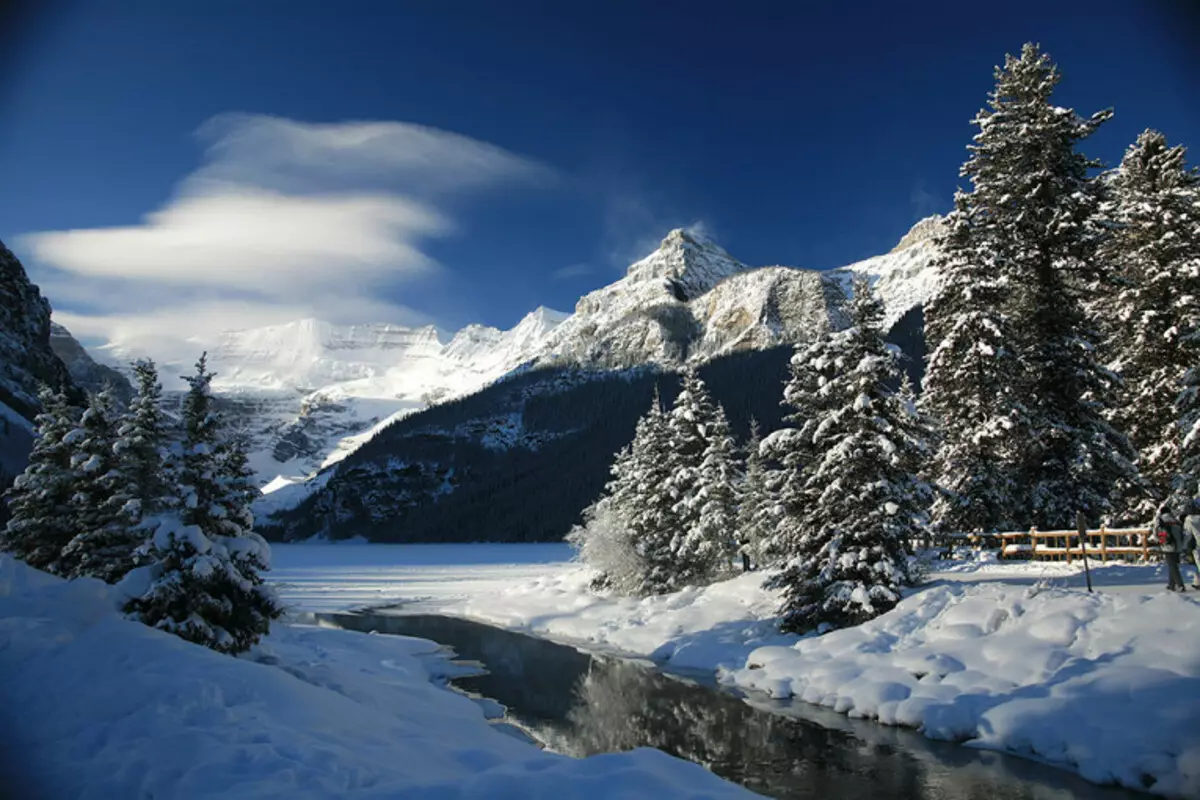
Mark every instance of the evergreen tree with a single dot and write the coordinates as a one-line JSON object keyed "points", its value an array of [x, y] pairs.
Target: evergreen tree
{"points": [[862, 498], [206, 585], [1013, 377], [694, 553], [712, 541], [236, 481], [1153, 210], [807, 392], [1186, 485], [40, 526], [143, 439], [104, 544], [627, 533], [755, 518], [644, 497], [1036, 186]]}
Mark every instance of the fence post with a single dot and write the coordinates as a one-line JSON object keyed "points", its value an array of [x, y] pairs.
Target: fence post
{"points": [[1033, 543], [1081, 524], [1103, 543]]}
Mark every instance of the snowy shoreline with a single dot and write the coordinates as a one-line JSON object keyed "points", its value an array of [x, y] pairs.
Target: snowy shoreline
{"points": [[101, 707], [1012, 657]]}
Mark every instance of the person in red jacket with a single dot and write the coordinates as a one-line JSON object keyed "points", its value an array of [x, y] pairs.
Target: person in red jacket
{"points": [[1171, 544]]}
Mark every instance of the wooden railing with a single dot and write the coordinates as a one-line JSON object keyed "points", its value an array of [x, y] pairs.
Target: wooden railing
{"points": [[1103, 544]]}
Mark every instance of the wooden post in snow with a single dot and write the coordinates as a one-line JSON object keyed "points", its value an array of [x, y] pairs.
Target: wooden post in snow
{"points": [[1081, 523]]}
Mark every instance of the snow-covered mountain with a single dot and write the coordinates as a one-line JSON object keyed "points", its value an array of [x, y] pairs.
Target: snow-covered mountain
{"points": [[310, 392], [690, 301]]}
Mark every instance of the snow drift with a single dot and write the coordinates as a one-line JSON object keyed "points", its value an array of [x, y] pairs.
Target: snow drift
{"points": [[1106, 685], [100, 707]]}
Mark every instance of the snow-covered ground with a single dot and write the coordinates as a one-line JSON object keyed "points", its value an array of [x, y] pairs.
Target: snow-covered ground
{"points": [[350, 575], [1012, 656], [96, 706]]}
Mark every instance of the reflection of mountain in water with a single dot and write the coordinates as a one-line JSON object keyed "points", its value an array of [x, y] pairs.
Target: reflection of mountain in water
{"points": [[580, 705]]}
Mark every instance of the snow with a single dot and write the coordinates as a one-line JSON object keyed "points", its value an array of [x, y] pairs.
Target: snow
{"points": [[312, 392], [1107, 685], [339, 576], [111, 708], [1004, 655], [902, 279], [333, 387]]}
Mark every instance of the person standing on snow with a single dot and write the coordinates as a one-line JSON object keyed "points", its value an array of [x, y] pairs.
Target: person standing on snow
{"points": [[1170, 543], [1191, 539]]}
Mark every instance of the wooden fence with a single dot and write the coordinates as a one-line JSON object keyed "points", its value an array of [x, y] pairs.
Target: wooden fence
{"points": [[1104, 543]]}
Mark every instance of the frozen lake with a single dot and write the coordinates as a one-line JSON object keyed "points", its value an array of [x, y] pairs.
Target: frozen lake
{"points": [[336, 577]]}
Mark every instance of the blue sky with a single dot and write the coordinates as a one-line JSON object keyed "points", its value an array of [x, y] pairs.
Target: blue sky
{"points": [[205, 160]]}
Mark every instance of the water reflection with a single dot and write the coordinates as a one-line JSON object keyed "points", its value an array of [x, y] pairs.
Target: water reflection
{"points": [[580, 704]]}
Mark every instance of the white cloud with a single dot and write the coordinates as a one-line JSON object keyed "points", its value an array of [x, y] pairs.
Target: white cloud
{"points": [[243, 237], [571, 271], [284, 219]]}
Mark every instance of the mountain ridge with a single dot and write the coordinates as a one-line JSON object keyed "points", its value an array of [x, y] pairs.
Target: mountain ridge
{"points": [[311, 392]]}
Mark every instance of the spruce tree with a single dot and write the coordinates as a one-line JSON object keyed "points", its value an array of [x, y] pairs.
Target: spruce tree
{"points": [[1036, 186], [811, 370], [40, 525], [693, 552], [146, 479], [712, 541], [1186, 483], [645, 497], [627, 533], [864, 500], [1153, 247], [755, 518], [206, 584], [106, 538], [1013, 380]]}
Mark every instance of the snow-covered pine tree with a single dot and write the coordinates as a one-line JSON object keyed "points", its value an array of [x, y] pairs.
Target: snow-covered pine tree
{"points": [[147, 481], [1186, 485], [1153, 247], [40, 525], [755, 517], [1034, 186], [627, 533], [864, 499], [807, 393], [690, 556], [1013, 378], [205, 583], [236, 481], [917, 431], [106, 538], [712, 541]]}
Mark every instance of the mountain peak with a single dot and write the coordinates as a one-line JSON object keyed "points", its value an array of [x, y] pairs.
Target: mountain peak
{"points": [[922, 231], [689, 262]]}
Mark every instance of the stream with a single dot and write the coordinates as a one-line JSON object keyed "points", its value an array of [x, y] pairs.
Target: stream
{"points": [[581, 704]]}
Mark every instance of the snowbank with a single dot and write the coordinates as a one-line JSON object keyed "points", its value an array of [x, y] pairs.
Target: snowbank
{"points": [[100, 707], [702, 629], [1106, 684]]}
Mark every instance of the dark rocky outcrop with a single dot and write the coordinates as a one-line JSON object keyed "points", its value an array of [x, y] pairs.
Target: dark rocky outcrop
{"points": [[84, 370], [26, 359]]}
